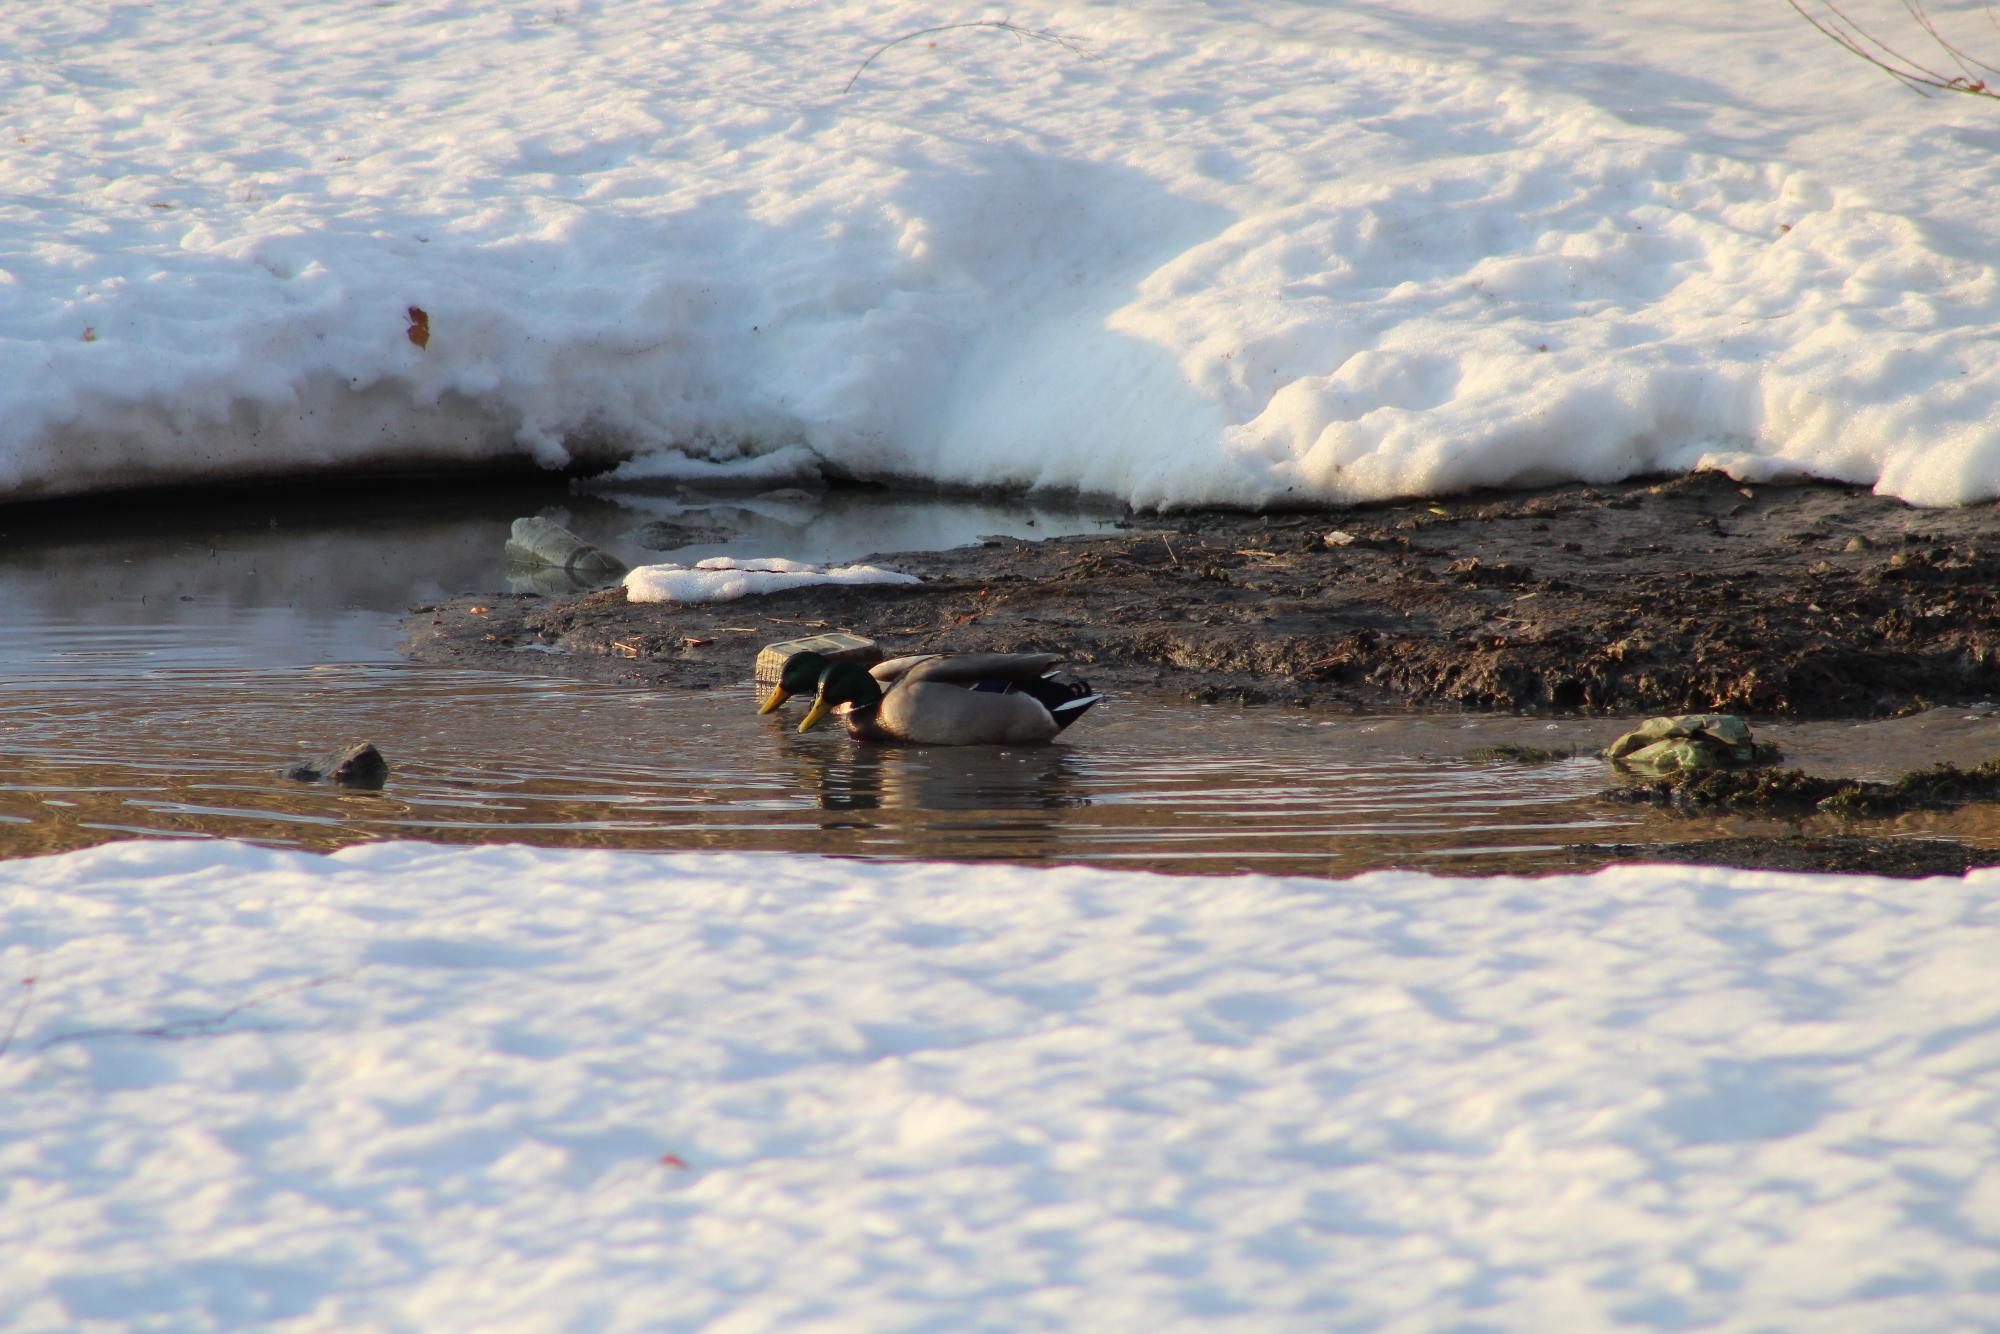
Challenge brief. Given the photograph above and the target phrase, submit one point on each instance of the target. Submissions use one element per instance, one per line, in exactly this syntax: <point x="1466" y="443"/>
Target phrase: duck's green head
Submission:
<point x="841" y="683"/>
<point x="800" y="677"/>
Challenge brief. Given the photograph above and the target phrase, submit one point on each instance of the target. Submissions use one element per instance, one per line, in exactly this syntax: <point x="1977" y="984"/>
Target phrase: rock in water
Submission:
<point x="1691" y="743"/>
<point x="360" y="765"/>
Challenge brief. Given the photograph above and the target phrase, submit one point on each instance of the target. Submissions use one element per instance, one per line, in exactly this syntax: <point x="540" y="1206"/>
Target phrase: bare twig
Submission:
<point x="20" y="1012"/>
<point x="1835" y="25"/>
<point x="178" y="1030"/>
<point x="1002" y="25"/>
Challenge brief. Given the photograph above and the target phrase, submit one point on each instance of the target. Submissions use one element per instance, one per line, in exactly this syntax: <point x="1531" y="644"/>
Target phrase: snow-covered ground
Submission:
<point x="725" y="578"/>
<point x="1244" y="251"/>
<point x="424" y="1088"/>
<point x="1225" y="251"/>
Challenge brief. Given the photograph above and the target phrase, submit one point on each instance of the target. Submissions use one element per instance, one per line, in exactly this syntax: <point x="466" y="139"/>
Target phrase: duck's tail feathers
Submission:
<point x="1070" y="710"/>
<point x="1065" y="697"/>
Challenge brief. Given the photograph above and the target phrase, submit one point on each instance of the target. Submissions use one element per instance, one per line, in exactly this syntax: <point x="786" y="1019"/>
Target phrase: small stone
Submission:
<point x="360" y="765"/>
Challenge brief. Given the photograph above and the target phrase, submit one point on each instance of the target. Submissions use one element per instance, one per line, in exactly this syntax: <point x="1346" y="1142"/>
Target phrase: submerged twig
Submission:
<point x="1020" y="33"/>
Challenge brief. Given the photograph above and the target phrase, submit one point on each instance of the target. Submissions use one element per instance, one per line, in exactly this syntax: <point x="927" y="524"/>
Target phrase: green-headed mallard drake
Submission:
<point x="801" y="673"/>
<point x="974" y="699"/>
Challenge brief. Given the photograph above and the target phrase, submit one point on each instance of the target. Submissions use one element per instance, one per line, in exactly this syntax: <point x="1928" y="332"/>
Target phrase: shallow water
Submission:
<point x="162" y="670"/>
<point x="481" y="757"/>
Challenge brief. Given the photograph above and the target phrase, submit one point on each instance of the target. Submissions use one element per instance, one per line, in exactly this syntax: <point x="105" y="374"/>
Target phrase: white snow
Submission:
<point x="1208" y="252"/>
<point x="1195" y="252"/>
<point x="408" y="1086"/>
<point x="724" y="578"/>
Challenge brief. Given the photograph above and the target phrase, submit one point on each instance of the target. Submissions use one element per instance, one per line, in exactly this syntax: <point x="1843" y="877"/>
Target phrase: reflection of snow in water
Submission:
<point x="269" y="578"/>
<point x="841" y="525"/>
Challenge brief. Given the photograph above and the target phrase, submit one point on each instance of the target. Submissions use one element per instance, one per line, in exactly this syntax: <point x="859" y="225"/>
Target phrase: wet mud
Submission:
<point x="1904" y="858"/>
<point x="1692" y="595"/>
<point x="1790" y="792"/>
<point x="1689" y="595"/>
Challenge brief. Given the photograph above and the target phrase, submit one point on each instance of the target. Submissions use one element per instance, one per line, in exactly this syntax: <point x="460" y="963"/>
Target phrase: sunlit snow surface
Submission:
<point x="725" y="578"/>
<point x="412" y="1087"/>
<point x="1224" y="252"/>
<point x="1229" y="252"/>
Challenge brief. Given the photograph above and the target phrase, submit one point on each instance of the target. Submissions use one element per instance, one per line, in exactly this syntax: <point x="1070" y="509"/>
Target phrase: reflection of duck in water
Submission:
<point x="966" y="700"/>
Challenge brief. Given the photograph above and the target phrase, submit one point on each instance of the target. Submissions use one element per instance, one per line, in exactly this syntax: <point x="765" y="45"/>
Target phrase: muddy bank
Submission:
<point x="1905" y="858"/>
<point x="1790" y="792"/>
<point x="1690" y="595"/>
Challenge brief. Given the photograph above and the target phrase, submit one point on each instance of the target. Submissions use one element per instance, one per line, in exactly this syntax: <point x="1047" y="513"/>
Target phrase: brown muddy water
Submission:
<point x="163" y="666"/>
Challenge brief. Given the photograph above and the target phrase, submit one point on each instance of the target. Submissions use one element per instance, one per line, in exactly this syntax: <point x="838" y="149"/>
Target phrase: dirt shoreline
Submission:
<point x="1693" y="594"/>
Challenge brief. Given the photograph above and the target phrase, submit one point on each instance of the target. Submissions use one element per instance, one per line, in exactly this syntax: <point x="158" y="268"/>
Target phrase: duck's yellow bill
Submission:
<point x="777" y="696"/>
<point x="816" y="715"/>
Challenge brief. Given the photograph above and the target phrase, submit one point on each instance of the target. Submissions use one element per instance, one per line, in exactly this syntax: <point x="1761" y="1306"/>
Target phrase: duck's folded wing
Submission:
<point x="890" y="669"/>
<point x="969" y="669"/>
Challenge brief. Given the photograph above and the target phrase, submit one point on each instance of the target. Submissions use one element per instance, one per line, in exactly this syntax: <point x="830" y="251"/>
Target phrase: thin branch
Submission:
<point x="1020" y="34"/>
<point x="179" y="1030"/>
<point x="20" y="1013"/>
<point x="1852" y="37"/>
<point x="1841" y="30"/>
<point x="1960" y="58"/>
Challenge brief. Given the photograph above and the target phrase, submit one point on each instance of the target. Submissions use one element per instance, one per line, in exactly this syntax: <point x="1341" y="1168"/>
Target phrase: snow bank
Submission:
<point x="456" y="1089"/>
<point x="1206" y="253"/>
<point x="724" y="579"/>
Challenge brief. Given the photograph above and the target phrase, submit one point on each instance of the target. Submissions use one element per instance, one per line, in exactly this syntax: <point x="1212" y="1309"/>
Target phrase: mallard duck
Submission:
<point x="801" y="672"/>
<point x="970" y="700"/>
